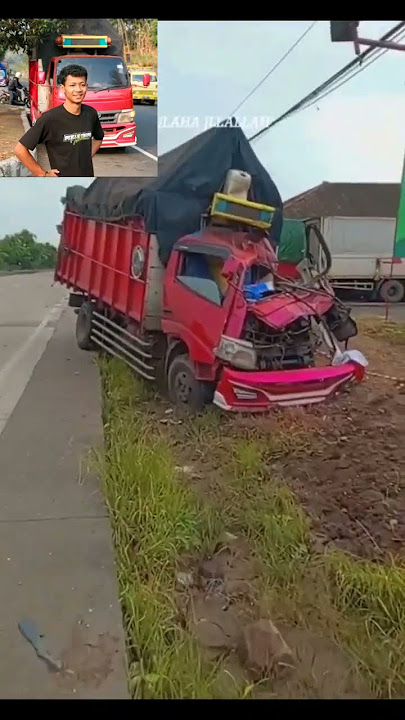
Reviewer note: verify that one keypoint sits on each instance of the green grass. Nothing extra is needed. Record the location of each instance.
(379, 328)
(359, 605)
(156, 520)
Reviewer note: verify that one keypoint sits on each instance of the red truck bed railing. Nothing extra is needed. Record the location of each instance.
(95, 258)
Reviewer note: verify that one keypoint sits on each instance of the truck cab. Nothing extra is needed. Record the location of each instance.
(109, 86)
(238, 333)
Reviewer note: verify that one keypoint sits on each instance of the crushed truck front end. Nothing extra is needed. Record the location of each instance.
(239, 391)
(255, 340)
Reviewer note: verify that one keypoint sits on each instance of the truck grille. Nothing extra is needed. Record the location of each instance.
(108, 117)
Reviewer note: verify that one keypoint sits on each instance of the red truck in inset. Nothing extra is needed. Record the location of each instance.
(109, 83)
(220, 320)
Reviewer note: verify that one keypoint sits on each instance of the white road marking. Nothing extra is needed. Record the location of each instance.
(145, 152)
(15, 374)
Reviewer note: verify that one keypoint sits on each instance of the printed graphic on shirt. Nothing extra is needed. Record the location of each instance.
(74, 138)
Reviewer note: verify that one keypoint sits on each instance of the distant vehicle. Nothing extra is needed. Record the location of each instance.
(4, 75)
(20, 101)
(140, 90)
(362, 256)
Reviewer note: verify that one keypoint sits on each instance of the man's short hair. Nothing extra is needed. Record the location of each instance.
(74, 71)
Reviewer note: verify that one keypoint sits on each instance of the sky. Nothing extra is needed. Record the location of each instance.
(356, 134)
(34, 204)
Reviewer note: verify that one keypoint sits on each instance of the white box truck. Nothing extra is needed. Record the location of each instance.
(362, 256)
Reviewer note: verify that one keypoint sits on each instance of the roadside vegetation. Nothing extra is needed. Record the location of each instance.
(22, 251)
(176, 487)
(18, 36)
(393, 332)
(141, 38)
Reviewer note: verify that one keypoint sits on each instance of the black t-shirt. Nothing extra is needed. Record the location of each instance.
(67, 139)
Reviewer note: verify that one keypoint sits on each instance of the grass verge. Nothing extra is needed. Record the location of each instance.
(374, 327)
(156, 521)
(359, 605)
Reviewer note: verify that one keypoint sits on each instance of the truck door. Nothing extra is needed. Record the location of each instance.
(199, 300)
(51, 82)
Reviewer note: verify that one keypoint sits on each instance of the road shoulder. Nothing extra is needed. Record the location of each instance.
(56, 562)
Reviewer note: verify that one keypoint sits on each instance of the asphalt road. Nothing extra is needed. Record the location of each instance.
(396, 313)
(140, 161)
(56, 561)
(29, 306)
(29, 300)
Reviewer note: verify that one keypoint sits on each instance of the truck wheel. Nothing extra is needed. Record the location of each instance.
(392, 291)
(184, 388)
(84, 326)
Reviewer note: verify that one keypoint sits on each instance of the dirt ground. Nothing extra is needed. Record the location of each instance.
(345, 465)
(11, 129)
(346, 469)
(353, 482)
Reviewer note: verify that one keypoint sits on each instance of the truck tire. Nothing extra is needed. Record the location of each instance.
(84, 326)
(184, 388)
(392, 291)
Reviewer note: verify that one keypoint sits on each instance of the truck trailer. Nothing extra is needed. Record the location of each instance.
(358, 222)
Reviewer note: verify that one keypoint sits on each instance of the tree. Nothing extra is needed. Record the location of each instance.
(136, 30)
(23, 34)
(22, 251)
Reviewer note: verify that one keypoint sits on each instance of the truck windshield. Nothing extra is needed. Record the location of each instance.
(104, 73)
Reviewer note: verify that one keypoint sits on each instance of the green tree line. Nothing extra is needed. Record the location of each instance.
(19, 34)
(134, 31)
(22, 251)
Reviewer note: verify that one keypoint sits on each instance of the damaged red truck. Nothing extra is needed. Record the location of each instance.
(212, 309)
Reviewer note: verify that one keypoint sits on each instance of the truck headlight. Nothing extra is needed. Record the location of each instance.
(126, 116)
(239, 353)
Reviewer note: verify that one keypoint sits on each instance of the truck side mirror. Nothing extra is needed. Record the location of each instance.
(41, 77)
(146, 80)
(231, 266)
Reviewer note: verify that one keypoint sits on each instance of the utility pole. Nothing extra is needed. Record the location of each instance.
(347, 31)
(125, 37)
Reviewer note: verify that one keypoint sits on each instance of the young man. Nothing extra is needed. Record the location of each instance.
(72, 132)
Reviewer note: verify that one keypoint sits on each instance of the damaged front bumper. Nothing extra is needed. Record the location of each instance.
(240, 391)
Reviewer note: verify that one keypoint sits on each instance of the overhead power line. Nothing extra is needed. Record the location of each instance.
(333, 83)
(370, 61)
(278, 63)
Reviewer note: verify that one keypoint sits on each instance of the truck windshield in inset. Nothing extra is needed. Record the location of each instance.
(103, 72)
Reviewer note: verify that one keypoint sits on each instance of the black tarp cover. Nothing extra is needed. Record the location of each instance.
(47, 48)
(172, 203)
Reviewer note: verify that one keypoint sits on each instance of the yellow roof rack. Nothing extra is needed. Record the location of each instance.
(228, 207)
